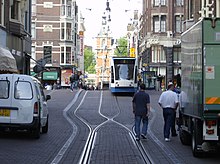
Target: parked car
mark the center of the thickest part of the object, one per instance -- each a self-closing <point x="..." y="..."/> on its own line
<point x="23" y="105"/>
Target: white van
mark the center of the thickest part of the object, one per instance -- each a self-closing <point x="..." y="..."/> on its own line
<point x="23" y="105"/>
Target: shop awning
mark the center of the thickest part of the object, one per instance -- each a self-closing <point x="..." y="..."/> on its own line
<point x="50" y="75"/>
<point x="7" y="61"/>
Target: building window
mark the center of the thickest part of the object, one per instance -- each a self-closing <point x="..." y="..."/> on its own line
<point x="68" y="55"/>
<point x="162" y="2"/>
<point x="179" y="2"/>
<point x="66" y="8"/>
<point x="48" y="54"/>
<point x="62" y="55"/>
<point x="62" y="31"/>
<point x="156" y="2"/>
<point x="190" y="9"/>
<point x="159" y="24"/>
<point x="69" y="8"/>
<point x="163" y="23"/>
<point x="177" y="55"/>
<point x="2" y="13"/>
<point x="15" y="10"/>
<point x="73" y="56"/>
<point x="103" y="44"/>
<point x="158" y="54"/>
<point x="159" y="2"/>
<point x="179" y="23"/>
<point x="65" y="55"/>
<point x="63" y="8"/>
<point x="33" y="8"/>
<point x="156" y="24"/>
<point x="66" y="31"/>
<point x="33" y="30"/>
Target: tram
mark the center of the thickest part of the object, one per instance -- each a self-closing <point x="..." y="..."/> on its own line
<point x="123" y="77"/>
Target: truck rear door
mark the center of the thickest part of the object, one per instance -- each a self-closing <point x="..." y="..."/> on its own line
<point x="212" y="64"/>
<point x="211" y="33"/>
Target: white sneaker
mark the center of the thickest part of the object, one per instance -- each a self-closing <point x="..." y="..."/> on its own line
<point x="167" y="139"/>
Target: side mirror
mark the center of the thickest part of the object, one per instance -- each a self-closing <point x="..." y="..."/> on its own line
<point x="48" y="97"/>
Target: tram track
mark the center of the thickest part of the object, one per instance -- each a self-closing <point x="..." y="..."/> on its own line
<point x="88" y="148"/>
<point x="144" y="154"/>
<point x="93" y="132"/>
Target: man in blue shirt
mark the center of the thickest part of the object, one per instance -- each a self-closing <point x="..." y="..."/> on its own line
<point x="141" y="110"/>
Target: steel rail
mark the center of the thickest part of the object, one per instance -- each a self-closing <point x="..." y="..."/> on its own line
<point x="144" y="154"/>
<point x="86" y="154"/>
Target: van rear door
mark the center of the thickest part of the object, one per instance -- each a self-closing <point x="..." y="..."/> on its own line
<point x="5" y="98"/>
<point x="23" y="99"/>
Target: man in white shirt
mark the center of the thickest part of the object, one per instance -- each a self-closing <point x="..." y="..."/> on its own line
<point x="169" y="102"/>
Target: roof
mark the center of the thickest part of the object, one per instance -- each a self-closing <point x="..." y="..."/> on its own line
<point x="7" y="61"/>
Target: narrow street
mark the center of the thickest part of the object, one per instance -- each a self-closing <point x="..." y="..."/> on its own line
<point x="96" y="127"/>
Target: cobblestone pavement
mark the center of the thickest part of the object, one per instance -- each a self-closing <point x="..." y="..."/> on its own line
<point x="113" y="144"/>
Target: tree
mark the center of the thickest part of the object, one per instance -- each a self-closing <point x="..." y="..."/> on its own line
<point x="121" y="48"/>
<point x="89" y="61"/>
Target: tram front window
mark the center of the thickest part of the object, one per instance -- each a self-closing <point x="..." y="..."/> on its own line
<point x="124" y="71"/>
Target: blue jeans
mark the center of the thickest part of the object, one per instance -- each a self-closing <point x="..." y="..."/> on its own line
<point x="74" y="85"/>
<point x="138" y="124"/>
<point x="168" y="114"/>
<point x="71" y="86"/>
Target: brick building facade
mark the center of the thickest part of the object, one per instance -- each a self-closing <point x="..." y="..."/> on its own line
<point x="160" y="31"/>
<point x="161" y="25"/>
<point x="55" y="36"/>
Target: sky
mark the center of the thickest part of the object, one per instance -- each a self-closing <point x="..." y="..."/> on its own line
<point x="119" y="18"/>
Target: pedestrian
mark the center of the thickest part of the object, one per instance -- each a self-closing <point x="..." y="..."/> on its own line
<point x="176" y="114"/>
<point x="72" y="80"/>
<point x="76" y="77"/>
<point x="141" y="110"/>
<point x="169" y="102"/>
<point x="159" y="80"/>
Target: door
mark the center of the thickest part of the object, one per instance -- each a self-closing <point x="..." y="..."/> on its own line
<point x="23" y="98"/>
<point x="5" y="99"/>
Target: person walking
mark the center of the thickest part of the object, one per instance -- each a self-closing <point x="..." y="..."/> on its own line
<point x="159" y="81"/>
<point x="176" y="114"/>
<point x="72" y="80"/>
<point x="141" y="110"/>
<point x="169" y="102"/>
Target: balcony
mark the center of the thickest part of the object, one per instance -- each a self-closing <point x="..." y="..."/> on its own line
<point x="16" y="28"/>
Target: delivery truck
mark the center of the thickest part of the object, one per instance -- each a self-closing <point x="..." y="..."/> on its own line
<point x="200" y="86"/>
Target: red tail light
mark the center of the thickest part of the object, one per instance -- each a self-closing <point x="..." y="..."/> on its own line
<point x="210" y="123"/>
<point x="211" y="131"/>
<point x="36" y="108"/>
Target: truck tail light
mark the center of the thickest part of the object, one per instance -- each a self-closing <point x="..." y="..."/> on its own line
<point x="210" y="123"/>
<point x="36" y="108"/>
<point x="210" y="131"/>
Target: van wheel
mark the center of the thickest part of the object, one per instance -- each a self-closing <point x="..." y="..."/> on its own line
<point x="196" y="139"/>
<point x="36" y="132"/>
<point x="45" y="128"/>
